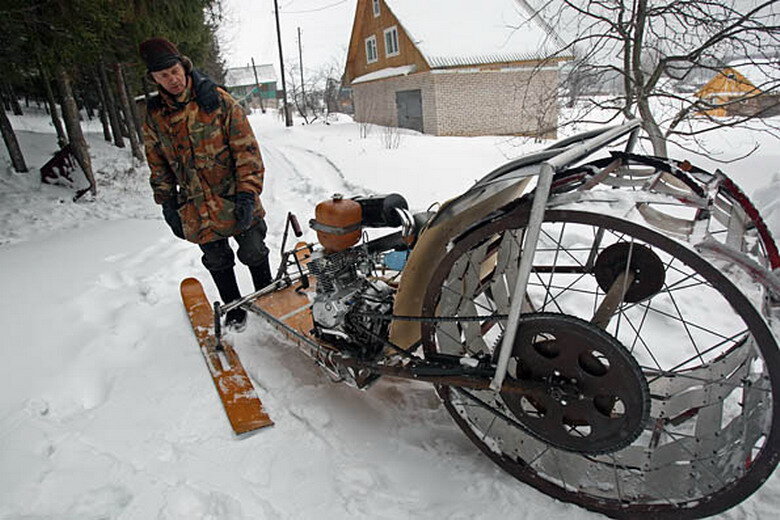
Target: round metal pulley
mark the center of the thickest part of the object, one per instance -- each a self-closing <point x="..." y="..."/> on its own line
<point x="594" y="398"/>
<point x="645" y="266"/>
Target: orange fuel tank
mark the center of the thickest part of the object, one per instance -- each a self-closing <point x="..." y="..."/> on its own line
<point x="337" y="222"/>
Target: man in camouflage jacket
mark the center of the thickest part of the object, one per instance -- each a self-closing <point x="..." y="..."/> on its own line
<point x="206" y="169"/>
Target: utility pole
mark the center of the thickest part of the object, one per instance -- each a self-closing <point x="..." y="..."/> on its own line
<point x="300" y="61"/>
<point x="259" y="90"/>
<point x="287" y="116"/>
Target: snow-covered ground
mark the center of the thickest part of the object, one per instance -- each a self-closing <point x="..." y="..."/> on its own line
<point x="106" y="407"/>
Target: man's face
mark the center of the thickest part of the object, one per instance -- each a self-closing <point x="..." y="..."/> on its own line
<point x="173" y="79"/>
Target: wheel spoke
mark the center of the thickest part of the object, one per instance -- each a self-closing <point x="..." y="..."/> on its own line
<point x="732" y="339"/>
<point x="547" y="293"/>
<point x="562" y="290"/>
<point x="559" y="246"/>
<point x="685" y="325"/>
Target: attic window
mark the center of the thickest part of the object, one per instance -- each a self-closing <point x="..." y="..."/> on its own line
<point x="371" y="54"/>
<point x="376" y="8"/>
<point x="391" y="41"/>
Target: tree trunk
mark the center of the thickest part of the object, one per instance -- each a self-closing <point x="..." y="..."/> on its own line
<point x="145" y="87"/>
<point x="111" y="108"/>
<point x="104" y="122"/>
<point x="125" y="105"/>
<point x="14" y="151"/>
<point x="133" y="109"/>
<point x="650" y="125"/>
<point x="102" y="112"/>
<point x="125" y="126"/>
<point x="62" y="139"/>
<point x="70" y="113"/>
<point x="15" y="106"/>
<point x="6" y="99"/>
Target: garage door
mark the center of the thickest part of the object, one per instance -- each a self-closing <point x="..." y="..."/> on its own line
<point x="409" y="106"/>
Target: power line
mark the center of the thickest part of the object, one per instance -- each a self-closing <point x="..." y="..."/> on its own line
<point x="314" y="10"/>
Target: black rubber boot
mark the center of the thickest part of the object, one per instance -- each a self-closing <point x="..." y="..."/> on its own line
<point x="261" y="274"/>
<point x="227" y="286"/>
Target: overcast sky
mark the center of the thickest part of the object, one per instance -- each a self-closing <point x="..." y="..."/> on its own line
<point x="250" y="32"/>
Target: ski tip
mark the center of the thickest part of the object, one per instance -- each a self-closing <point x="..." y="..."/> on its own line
<point x="189" y="281"/>
<point x="189" y="284"/>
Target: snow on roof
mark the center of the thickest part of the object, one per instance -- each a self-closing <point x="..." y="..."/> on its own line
<point x="240" y="76"/>
<point x="467" y="32"/>
<point x="761" y="73"/>
<point x="389" y="72"/>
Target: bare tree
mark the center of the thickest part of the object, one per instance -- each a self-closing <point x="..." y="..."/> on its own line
<point x="307" y="98"/>
<point x="649" y="44"/>
<point x="391" y="137"/>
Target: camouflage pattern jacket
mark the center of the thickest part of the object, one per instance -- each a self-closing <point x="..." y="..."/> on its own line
<point x="201" y="152"/>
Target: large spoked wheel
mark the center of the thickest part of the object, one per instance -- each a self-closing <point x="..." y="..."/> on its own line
<point x="661" y="372"/>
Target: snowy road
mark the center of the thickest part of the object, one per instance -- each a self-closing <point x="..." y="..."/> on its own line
<point x="107" y="411"/>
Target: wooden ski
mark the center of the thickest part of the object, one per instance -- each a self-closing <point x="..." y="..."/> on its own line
<point x="242" y="405"/>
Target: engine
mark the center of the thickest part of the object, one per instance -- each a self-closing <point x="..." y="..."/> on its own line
<point x="350" y="303"/>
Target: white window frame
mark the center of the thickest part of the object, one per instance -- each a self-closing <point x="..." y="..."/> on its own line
<point x="376" y="8"/>
<point x="394" y="32"/>
<point x="371" y="41"/>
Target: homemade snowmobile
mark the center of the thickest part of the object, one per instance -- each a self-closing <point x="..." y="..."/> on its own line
<point x="598" y="322"/>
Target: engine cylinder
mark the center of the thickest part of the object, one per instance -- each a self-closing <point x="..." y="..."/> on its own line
<point x="337" y="223"/>
<point x="380" y="211"/>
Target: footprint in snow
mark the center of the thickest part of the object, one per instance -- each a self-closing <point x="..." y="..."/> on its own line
<point x="101" y="503"/>
<point x="184" y="501"/>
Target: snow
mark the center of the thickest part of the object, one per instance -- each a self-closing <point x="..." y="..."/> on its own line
<point x="463" y="32"/>
<point x="389" y="72"/>
<point x="107" y="409"/>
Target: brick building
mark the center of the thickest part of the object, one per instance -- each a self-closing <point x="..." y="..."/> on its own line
<point x="454" y="67"/>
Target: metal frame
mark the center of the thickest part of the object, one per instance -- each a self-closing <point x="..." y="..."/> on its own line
<point x="541" y="194"/>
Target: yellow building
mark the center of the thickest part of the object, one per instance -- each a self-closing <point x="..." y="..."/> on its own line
<point x="739" y="90"/>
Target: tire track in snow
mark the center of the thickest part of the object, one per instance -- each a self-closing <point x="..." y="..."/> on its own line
<point x="349" y="185"/>
<point x="309" y="175"/>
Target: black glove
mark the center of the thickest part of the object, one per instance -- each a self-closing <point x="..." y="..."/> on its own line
<point x="245" y="209"/>
<point x="171" y="216"/>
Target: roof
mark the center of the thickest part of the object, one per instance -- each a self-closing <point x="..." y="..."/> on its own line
<point x="466" y="32"/>
<point x="241" y="76"/>
<point x="761" y="73"/>
<point x="385" y="73"/>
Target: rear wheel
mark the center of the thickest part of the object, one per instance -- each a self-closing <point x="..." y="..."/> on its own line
<point x="661" y="373"/>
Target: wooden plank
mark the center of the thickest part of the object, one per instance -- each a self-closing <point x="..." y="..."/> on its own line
<point x="242" y="405"/>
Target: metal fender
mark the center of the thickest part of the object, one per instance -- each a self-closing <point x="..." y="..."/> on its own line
<point x="453" y="218"/>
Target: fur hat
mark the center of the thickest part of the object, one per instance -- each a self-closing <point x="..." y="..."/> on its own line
<point x="159" y="54"/>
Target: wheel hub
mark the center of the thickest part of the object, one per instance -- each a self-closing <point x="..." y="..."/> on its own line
<point x="644" y="264"/>
<point x="594" y="400"/>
